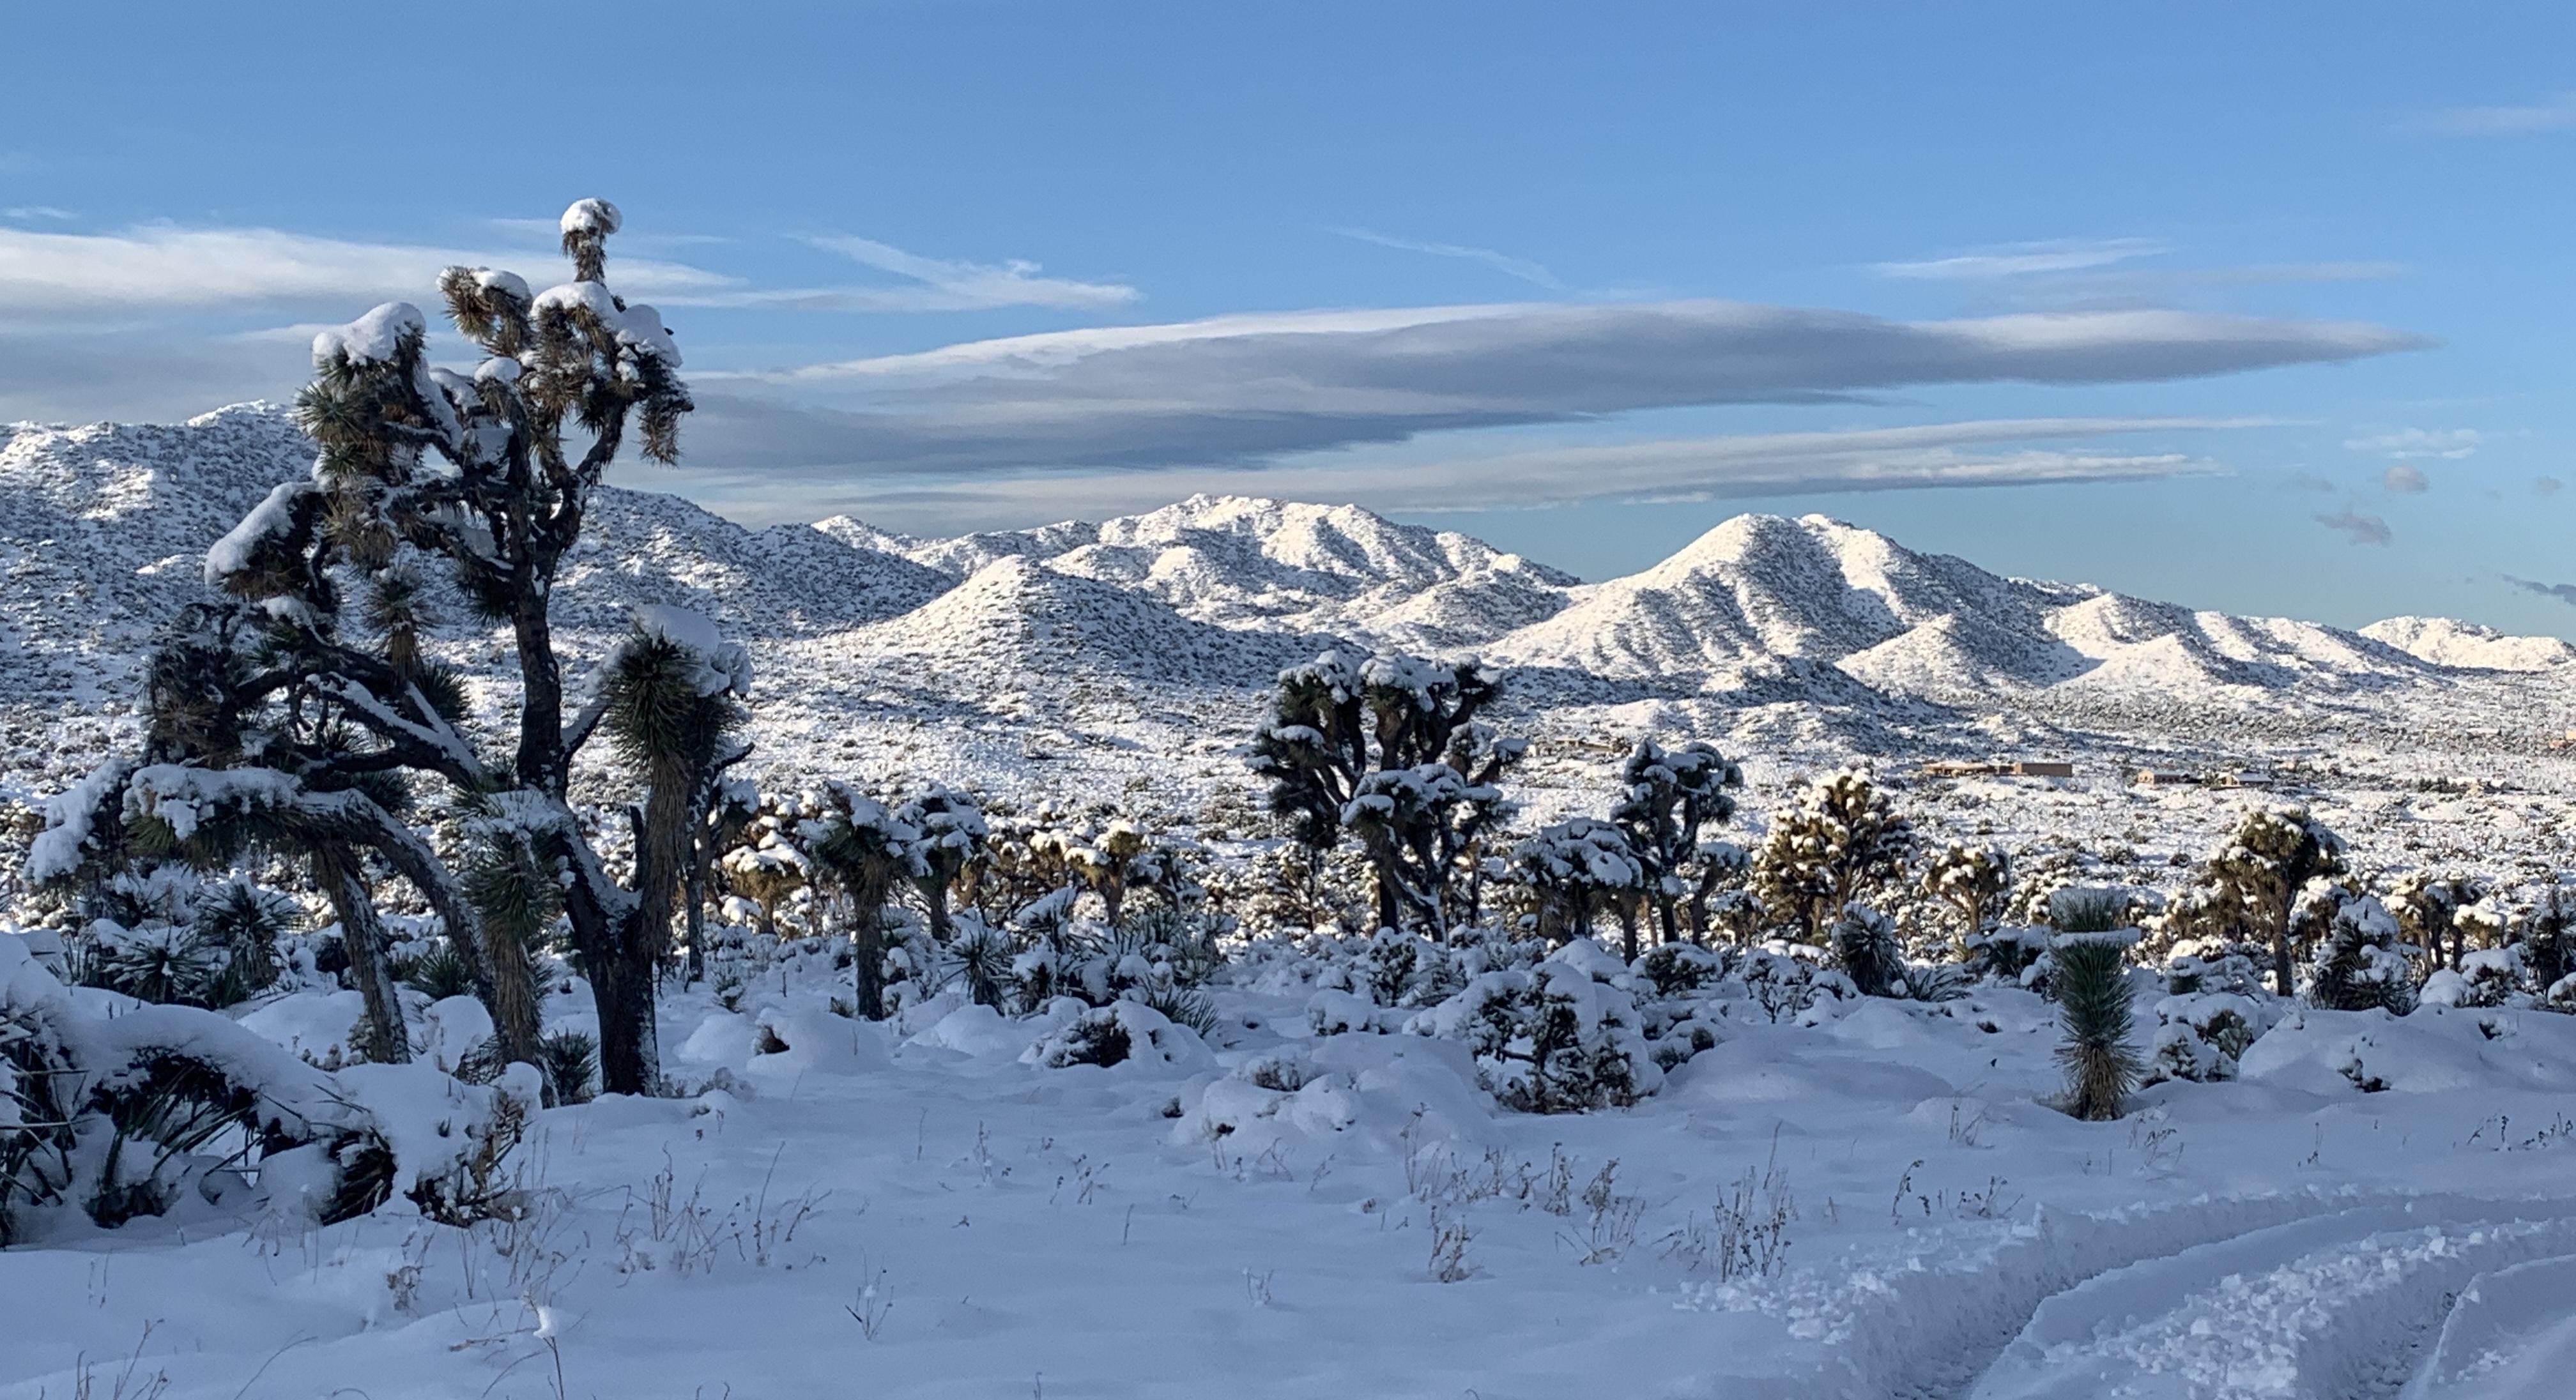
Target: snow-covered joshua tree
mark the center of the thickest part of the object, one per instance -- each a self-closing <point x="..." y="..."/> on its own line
<point x="1666" y="797"/>
<point x="311" y="700"/>
<point x="1389" y="749"/>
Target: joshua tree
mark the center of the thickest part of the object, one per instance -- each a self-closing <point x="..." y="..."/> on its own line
<point x="1389" y="749"/>
<point x="2428" y="909"/>
<point x="1668" y="796"/>
<point x="947" y="835"/>
<point x="307" y="707"/>
<point x="861" y="850"/>
<point x="1839" y="841"/>
<point x="1577" y="868"/>
<point x="1973" y="883"/>
<point x="2262" y="869"/>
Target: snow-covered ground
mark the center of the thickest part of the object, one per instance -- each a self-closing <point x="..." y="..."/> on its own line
<point x="1877" y="1202"/>
<point x="1875" y="1198"/>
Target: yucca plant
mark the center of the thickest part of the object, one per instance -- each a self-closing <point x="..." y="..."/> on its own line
<point x="571" y="1063"/>
<point x="162" y="964"/>
<point x="2093" y="998"/>
<point x="1865" y="943"/>
<point x="437" y="974"/>
<point x="246" y="921"/>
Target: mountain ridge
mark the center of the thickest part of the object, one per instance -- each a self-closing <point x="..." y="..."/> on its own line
<point x="102" y="528"/>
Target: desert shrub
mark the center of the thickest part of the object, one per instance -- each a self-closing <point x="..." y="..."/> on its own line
<point x="2358" y="965"/>
<point x="1677" y="969"/>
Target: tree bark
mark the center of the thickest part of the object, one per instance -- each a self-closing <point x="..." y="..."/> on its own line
<point x="362" y="935"/>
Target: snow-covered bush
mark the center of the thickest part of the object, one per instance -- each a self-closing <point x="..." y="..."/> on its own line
<point x="1676" y="969"/>
<point x="2201" y="1035"/>
<point x="119" y="1109"/>
<point x="2359" y="964"/>
<point x="1561" y="1037"/>
<point x="1114" y="1035"/>
<point x="1785" y="985"/>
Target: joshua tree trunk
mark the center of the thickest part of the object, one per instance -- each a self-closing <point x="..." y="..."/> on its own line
<point x="362" y="934"/>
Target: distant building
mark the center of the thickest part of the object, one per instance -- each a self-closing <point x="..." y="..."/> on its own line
<point x="2025" y="768"/>
<point x="2159" y="777"/>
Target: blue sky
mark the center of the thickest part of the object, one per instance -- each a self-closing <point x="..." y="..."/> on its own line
<point x="2255" y="307"/>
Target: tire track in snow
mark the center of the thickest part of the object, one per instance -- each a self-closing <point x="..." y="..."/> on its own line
<point x="1932" y="1326"/>
<point x="2337" y="1306"/>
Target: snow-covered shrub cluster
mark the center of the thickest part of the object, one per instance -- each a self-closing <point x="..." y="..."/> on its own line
<point x="116" y="1109"/>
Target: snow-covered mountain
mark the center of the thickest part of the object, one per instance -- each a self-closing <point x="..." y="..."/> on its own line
<point x="102" y="529"/>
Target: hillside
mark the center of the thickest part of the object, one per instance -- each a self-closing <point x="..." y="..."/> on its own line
<point x="1103" y="644"/>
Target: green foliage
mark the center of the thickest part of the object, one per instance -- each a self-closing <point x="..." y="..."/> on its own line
<point x="2094" y="1008"/>
<point x="161" y="963"/>
<point x="570" y="1061"/>
<point x="2088" y="910"/>
<point x="1864" y="942"/>
<point x="1182" y="1006"/>
<point x="246" y="922"/>
<point x="2358" y="965"/>
<point x="438" y="974"/>
<point x="660" y="705"/>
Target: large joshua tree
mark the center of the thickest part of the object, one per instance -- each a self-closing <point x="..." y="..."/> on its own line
<point x="313" y="694"/>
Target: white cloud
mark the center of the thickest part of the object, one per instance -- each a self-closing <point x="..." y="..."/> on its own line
<point x="938" y="284"/>
<point x="1504" y="263"/>
<point x="2405" y="480"/>
<point x="2024" y="259"/>
<point x="2555" y="114"/>
<point x="168" y="268"/>
<point x="2100" y="274"/>
<point x="32" y="213"/>
<point x="1988" y="453"/>
<point x="1238" y="390"/>
<point x="2407" y="444"/>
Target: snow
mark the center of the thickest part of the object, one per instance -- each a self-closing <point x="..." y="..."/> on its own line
<point x="373" y="338"/>
<point x="638" y="327"/>
<point x="591" y="216"/>
<point x="723" y="665"/>
<point x="509" y="284"/>
<point x="2449" y="642"/>
<point x="271" y="519"/>
<point x="2364" y="1204"/>
<point x="1263" y="1206"/>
